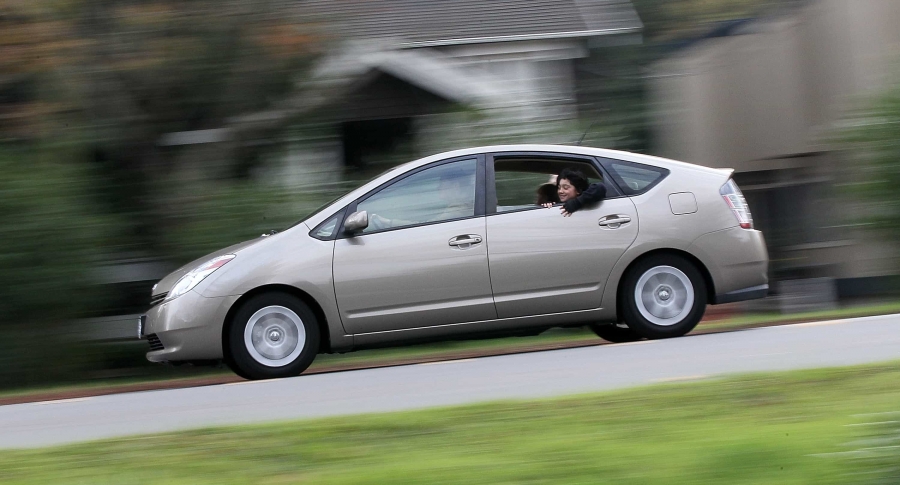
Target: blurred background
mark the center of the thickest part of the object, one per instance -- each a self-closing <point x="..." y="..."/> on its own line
<point x="137" y="135"/>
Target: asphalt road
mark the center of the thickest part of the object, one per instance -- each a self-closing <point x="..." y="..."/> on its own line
<point x="521" y="376"/>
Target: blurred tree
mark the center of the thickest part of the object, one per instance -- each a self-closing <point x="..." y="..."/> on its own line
<point x="871" y="138"/>
<point x="666" y="21"/>
<point x="119" y="134"/>
<point x="145" y="83"/>
<point x="162" y="86"/>
<point x="50" y="234"/>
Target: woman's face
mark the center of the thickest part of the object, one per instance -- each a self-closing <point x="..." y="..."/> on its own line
<point x="565" y="190"/>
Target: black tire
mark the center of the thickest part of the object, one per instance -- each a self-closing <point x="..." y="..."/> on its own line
<point x="615" y="333"/>
<point x="230" y="362"/>
<point x="662" y="289"/>
<point x="286" y="318"/>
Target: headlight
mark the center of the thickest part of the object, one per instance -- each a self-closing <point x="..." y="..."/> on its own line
<point x="196" y="275"/>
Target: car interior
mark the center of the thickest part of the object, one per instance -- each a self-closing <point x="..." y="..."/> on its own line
<point x="519" y="180"/>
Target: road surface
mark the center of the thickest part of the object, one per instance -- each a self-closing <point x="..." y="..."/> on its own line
<point x="520" y="376"/>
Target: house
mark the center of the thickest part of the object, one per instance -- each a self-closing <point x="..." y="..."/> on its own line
<point x="763" y="97"/>
<point x="418" y="76"/>
<point x="408" y="78"/>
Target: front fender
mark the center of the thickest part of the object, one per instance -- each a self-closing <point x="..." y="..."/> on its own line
<point x="291" y="259"/>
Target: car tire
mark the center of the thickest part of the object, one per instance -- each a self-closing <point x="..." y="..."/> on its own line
<point x="615" y="333"/>
<point x="272" y="335"/>
<point x="663" y="296"/>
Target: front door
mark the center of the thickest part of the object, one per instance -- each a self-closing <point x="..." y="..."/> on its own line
<point x="422" y="261"/>
<point x="540" y="261"/>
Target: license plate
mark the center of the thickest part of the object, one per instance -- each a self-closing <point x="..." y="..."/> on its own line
<point x="141" y="322"/>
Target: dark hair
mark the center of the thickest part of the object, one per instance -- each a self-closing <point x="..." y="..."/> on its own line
<point x="575" y="177"/>
<point x="547" y="193"/>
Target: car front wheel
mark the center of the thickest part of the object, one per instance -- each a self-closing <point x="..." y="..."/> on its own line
<point x="272" y="335"/>
<point x="663" y="296"/>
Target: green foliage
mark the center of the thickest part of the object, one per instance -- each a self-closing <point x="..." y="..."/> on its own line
<point x="124" y="75"/>
<point x="119" y="76"/>
<point x="877" y="453"/>
<point x="666" y="20"/>
<point x="50" y="234"/>
<point x="872" y="141"/>
<point x="781" y="428"/>
<point x="215" y="214"/>
<point x="612" y="97"/>
<point x="159" y="68"/>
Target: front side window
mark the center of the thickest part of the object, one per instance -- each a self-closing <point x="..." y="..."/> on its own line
<point x="436" y="194"/>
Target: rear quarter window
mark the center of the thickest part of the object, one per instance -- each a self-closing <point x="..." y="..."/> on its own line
<point x="634" y="178"/>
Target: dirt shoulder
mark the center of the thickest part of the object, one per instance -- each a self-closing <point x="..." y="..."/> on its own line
<point x="717" y="324"/>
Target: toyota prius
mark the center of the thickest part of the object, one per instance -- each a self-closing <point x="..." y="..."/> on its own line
<point x="455" y="245"/>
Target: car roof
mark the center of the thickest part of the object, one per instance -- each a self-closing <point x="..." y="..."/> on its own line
<point x="575" y="150"/>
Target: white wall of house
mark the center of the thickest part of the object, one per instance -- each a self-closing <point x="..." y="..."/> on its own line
<point x="538" y="74"/>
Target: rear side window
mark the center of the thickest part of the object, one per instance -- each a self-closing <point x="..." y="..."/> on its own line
<point x="634" y="178"/>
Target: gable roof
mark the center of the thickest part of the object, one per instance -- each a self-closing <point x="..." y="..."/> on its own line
<point x="425" y="68"/>
<point x="425" y="23"/>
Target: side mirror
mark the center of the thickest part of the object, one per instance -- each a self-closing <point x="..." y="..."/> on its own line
<point x="356" y="222"/>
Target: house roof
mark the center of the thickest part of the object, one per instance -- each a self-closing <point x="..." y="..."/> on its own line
<point x="424" y="23"/>
<point x="427" y="69"/>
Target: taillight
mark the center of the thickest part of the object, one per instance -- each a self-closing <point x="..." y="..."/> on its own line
<point x="736" y="202"/>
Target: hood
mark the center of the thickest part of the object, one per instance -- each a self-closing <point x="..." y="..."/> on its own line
<point x="166" y="284"/>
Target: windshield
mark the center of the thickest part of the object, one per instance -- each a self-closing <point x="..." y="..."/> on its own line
<point x="343" y="188"/>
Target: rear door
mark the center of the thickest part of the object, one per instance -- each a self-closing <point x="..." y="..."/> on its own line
<point x="540" y="261"/>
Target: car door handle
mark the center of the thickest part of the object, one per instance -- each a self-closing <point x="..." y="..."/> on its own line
<point x="464" y="241"/>
<point x="614" y="221"/>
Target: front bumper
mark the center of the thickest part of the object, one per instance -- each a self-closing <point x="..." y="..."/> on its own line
<point x="186" y="328"/>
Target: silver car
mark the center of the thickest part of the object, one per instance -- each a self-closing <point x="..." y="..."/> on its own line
<point x="455" y="244"/>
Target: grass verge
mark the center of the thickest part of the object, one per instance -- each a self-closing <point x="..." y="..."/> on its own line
<point x="156" y="376"/>
<point x="773" y="428"/>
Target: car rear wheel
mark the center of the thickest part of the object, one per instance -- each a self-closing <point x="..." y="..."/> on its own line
<point x="663" y="296"/>
<point x="272" y="335"/>
<point x="616" y="333"/>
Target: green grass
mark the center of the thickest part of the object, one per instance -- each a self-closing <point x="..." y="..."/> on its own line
<point x="158" y="373"/>
<point x="764" y="318"/>
<point x="771" y="428"/>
